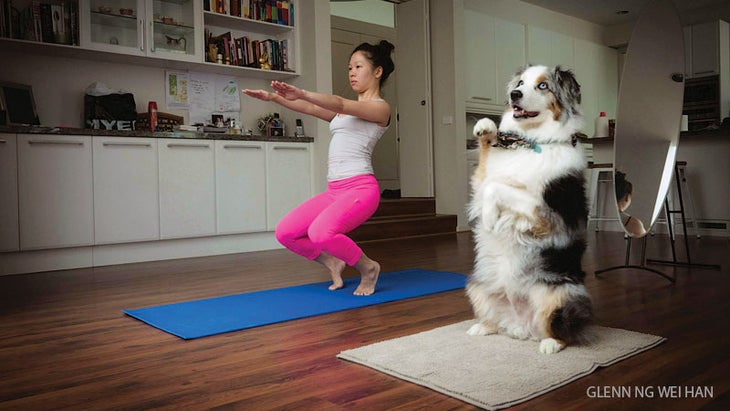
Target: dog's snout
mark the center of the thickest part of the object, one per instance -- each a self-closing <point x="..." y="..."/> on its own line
<point x="515" y="95"/>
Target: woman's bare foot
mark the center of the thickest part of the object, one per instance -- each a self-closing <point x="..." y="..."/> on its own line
<point x="369" y="271"/>
<point x="336" y="267"/>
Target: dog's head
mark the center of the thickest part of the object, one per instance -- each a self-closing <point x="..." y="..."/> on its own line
<point x="543" y="99"/>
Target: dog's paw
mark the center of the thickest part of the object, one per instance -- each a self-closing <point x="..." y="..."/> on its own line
<point x="485" y="130"/>
<point x="551" y="346"/>
<point x="490" y="219"/>
<point x="504" y="223"/>
<point x="481" y="329"/>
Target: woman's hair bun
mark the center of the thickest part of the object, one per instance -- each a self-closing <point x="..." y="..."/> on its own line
<point x="386" y="46"/>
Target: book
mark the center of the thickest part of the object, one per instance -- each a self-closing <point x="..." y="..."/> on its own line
<point x="59" y="23"/>
<point x="47" y="35"/>
<point x="236" y="8"/>
<point x="36" y="12"/>
<point x="74" y="23"/>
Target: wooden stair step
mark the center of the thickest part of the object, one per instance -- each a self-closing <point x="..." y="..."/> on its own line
<point x="406" y="226"/>
<point x="406" y="206"/>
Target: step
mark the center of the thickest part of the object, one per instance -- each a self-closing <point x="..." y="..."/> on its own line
<point x="405" y="226"/>
<point x="406" y="206"/>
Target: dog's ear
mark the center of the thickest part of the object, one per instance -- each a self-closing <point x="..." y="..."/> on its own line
<point x="568" y="84"/>
<point x="568" y="90"/>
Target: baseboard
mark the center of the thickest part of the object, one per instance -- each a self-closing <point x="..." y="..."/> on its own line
<point x="100" y="255"/>
<point x="710" y="228"/>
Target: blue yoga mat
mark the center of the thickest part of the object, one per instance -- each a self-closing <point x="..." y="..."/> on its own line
<point x="201" y="318"/>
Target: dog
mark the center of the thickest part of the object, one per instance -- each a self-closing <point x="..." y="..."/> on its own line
<point x="529" y="211"/>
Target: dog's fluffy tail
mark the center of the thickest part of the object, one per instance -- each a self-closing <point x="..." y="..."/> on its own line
<point x="570" y="322"/>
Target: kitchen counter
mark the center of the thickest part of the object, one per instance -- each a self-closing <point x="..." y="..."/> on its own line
<point x="683" y="136"/>
<point x="141" y="133"/>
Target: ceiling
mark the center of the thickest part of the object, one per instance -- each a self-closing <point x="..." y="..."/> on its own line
<point x="603" y="12"/>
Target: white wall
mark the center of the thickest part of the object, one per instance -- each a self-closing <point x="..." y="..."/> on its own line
<point x="59" y="84"/>
<point x="452" y="194"/>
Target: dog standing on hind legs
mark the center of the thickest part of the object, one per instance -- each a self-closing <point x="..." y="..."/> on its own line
<point x="530" y="211"/>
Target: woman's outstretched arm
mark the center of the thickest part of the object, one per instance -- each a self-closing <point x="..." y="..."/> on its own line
<point x="300" y="106"/>
<point x="376" y="111"/>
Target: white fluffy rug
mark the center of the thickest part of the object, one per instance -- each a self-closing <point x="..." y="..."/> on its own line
<point x="495" y="371"/>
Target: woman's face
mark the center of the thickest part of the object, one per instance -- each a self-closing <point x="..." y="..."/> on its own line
<point x="361" y="73"/>
<point x="624" y="203"/>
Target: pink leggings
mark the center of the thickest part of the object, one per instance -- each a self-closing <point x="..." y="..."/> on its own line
<point x="320" y="223"/>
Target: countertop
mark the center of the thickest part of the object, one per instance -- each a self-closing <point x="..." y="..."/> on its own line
<point x="685" y="135"/>
<point x="141" y="133"/>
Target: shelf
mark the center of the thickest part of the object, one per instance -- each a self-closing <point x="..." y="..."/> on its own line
<point x="62" y="50"/>
<point x="244" y="24"/>
<point x="114" y="20"/>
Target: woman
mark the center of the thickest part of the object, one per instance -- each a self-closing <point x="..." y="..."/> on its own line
<point x="624" y="190"/>
<point x="316" y="228"/>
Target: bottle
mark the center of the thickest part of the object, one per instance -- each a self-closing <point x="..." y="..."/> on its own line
<point x="152" y="111"/>
<point x="601" y="129"/>
<point x="300" y="129"/>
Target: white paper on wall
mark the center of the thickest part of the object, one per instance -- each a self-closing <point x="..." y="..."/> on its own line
<point x="212" y="94"/>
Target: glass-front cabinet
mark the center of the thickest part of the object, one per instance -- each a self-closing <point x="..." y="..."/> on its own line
<point x="169" y="29"/>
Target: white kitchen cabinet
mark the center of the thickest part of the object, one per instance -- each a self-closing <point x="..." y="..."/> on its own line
<point x="288" y="178"/>
<point x="126" y="204"/>
<point x="495" y="49"/>
<point x="480" y="58"/>
<point x="169" y="29"/>
<point x="595" y="69"/>
<point x="9" y="240"/>
<point x="549" y="48"/>
<point x="55" y="191"/>
<point x="707" y="53"/>
<point x="187" y="187"/>
<point x="705" y="49"/>
<point x="510" y="49"/>
<point x="240" y="175"/>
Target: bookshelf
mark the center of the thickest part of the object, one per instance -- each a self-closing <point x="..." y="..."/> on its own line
<point x="252" y="35"/>
<point x="44" y="21"/>
<point x="156" y="33"/>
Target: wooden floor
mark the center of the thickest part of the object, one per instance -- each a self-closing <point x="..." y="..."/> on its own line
<point x="65" y="344"/>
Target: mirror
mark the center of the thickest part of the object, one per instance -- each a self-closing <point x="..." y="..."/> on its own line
<point x="648" y="116"/>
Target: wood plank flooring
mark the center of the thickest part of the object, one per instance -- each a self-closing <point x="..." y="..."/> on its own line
<point x="65" y="344"/>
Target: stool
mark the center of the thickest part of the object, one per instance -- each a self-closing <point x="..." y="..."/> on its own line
<point x="599" y="173"/>
<point x="680" y="192"/>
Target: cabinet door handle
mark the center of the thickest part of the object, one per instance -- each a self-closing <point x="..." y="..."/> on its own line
<point x="289" y="148"/>
<point x="3" y="141"/>
<point x="119" y="144"/>
<point x="152" y="35"/>
<point x="57" y="142"/>
<point x="481" y="98"/>
<point x="236" y="146"/>
<point x="173" y="145"/>
<point x="140" y="34"/>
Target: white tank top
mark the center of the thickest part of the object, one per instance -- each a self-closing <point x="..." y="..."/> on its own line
<point x="351" y="147"/>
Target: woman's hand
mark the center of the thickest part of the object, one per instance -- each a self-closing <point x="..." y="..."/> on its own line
<point x="259" y="94"/>
<point x="287" y="91"/>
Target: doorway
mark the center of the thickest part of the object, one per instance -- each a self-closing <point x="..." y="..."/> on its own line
<point x="403" y="159"/>
<point x="346" y="35"/>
